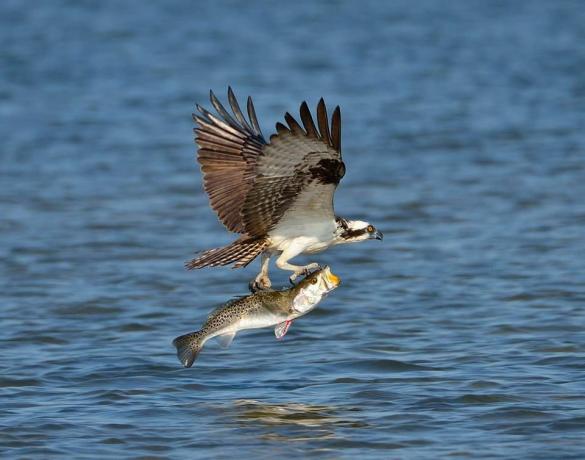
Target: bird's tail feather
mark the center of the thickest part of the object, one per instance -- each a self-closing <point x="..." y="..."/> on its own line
<point x="241" y="252"/>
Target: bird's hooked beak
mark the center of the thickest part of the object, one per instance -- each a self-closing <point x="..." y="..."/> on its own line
<point x="377" y="235"/>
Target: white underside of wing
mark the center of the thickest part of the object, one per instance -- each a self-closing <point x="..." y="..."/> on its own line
<point x="310" y="220"/>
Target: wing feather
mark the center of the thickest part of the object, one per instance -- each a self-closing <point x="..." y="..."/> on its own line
<point x="253" y="185"/>
<point x="299" y="169"/>
<point x="252" y="117"/>
<point x="323" y="122"/>
<point x="293" y="124"/>
<point x="221" y="110"/>
<point x="228" y="148"/>
<point x="336" y="129"/>
<point x="281" y="129"/>
<point x="308" y="122"/>
<point x="237" y="111"/>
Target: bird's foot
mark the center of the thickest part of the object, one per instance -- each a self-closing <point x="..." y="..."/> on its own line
<point x="261" y="283"/>
<point x="304" y="271"/>
<point x="311" y="268"/>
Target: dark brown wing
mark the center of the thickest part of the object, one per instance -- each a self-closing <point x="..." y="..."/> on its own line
<point x="297" y="174"/>
<point x="228" y="150"/>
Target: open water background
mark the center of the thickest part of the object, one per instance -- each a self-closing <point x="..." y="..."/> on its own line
<point x="460" y="335"/>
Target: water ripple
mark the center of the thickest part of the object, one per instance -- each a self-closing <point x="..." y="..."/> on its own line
<point x="460" y="335"/>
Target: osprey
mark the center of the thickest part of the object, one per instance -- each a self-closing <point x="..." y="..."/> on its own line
<point x="279" y="194"/>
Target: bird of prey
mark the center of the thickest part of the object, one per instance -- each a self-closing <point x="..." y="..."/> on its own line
<point x="278" y="195"/>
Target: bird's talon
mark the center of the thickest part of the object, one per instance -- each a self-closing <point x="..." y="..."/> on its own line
<point x="312" y="268"/>
<point x="259" y="284"/>
<point x="294" y="276"/>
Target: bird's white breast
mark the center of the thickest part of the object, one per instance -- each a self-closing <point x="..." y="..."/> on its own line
<point x="308" y="226"/>
<point x="311" y="236"/>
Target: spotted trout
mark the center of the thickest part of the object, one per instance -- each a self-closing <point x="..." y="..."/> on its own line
<point x="263" y="309"/>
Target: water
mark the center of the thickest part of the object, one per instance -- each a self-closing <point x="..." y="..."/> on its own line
<point x="461" y="335"/>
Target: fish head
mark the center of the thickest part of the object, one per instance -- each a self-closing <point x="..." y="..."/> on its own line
<point x="313" y="288"/>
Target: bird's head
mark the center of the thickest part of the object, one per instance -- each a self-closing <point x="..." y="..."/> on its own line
<point x="352" y="231"/>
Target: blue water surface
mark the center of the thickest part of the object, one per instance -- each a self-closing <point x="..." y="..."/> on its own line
<point x="461" y="335"/>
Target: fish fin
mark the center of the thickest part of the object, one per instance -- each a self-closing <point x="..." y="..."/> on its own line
<point x="281" y="329"/>
<point x="188" y="347"/>
<point x="225" y="340"/>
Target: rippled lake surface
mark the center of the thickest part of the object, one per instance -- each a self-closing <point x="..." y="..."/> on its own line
<point x="460" y="335"/>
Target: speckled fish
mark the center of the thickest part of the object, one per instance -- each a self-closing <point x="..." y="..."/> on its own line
<point x="263" y="309"/>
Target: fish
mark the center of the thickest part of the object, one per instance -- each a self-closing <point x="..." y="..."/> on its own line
<point x="259" y="310"/>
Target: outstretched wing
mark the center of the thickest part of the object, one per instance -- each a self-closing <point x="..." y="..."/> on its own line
<point x="228" y="150"/>
<point x="252" y="185"/>
<point x="297" y="174"/>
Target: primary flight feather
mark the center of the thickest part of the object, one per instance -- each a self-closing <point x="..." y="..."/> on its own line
<point x="279" y="194"/>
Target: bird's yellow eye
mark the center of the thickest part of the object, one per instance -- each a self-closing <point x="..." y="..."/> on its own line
<point x="313" y="280"/>
<point x="370" y="229"/>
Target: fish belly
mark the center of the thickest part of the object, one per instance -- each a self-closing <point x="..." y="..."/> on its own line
<point x="260" y="320"/>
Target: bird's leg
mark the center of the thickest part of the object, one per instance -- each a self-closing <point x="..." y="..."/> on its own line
<point x="282" y="263"/>
<point x="262" y="281"/>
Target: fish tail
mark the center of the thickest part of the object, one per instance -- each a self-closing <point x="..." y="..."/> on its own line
<point x="241" y="252"/>
<point x="188" y="347"/>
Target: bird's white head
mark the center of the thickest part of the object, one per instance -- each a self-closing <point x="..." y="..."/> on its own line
<point x="352" y="231"/>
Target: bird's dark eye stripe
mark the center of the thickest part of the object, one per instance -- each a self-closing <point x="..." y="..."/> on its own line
<point x="354" y="233"/>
